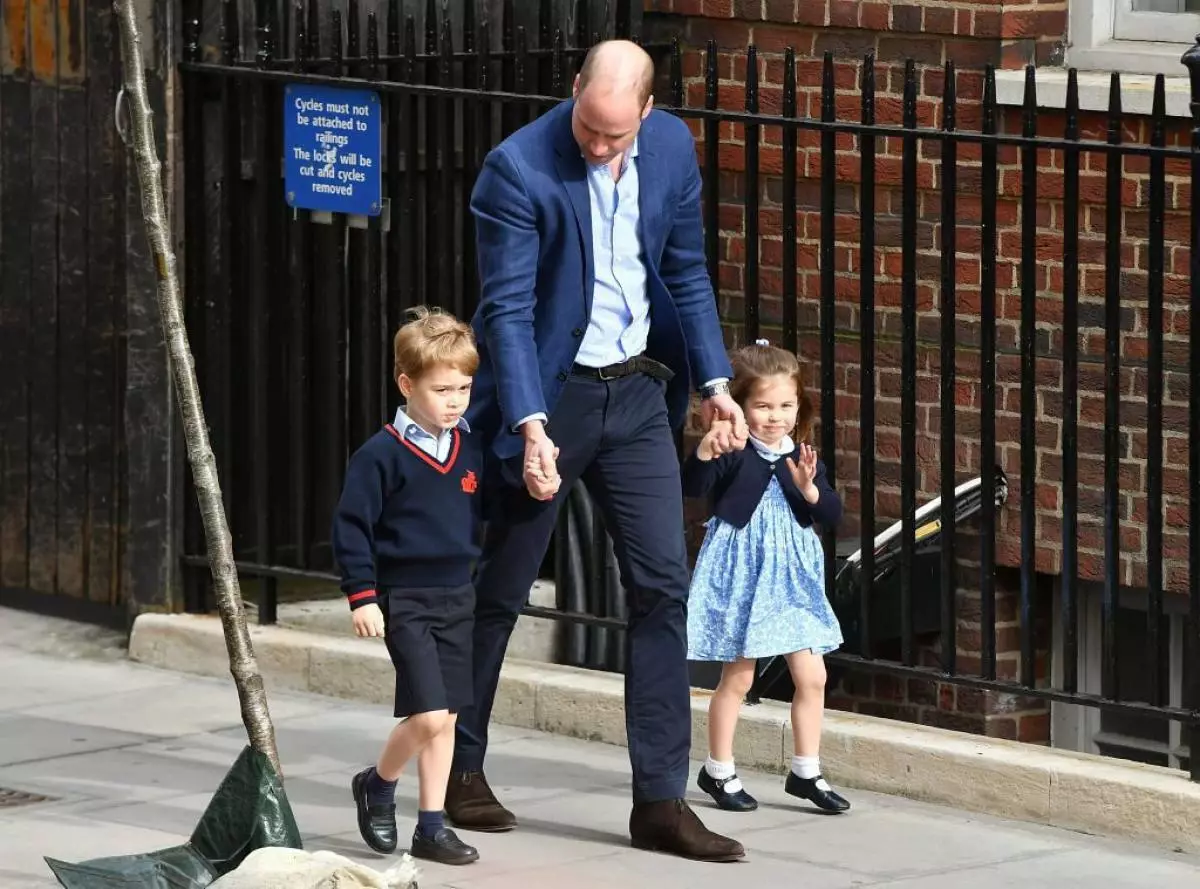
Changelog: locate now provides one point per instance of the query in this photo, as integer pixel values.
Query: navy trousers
(616, 437)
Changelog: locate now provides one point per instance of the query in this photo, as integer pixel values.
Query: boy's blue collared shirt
(437, 446)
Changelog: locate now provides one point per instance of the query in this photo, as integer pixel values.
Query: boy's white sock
(722, 771)
(806, 766)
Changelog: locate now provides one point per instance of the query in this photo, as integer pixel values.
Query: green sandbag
(179, 867)
(249, 811)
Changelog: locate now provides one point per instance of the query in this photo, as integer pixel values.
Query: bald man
(596, 318)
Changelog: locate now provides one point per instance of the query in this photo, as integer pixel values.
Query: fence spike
(353, 47)
(827, 94)
(557, 86)
(230, 32)
(468, 27)
(372, 46)
(299, 37)
(677, 97)
(789, 83)
(264, 33)
(191, 32)
(335, 39)
(545, 14)
(752, 79)
(410, 49)
(949, 98)
(314, 30)
(431, 27)
(393, 28)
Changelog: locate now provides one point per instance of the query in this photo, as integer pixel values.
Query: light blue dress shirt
(619, 325)
(436, 446)
(620, 321)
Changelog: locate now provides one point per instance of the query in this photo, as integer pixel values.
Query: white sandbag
(278, 868)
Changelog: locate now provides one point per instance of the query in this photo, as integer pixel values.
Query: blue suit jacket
(534, 241)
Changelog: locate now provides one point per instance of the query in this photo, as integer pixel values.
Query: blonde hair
(752, 364)
(434, 337)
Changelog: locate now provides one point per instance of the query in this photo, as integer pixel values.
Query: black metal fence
(290, 314)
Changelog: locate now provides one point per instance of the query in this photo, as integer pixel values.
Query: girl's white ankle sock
(806, 766)
(723, 771)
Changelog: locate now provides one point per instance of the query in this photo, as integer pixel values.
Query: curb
(1007, 779)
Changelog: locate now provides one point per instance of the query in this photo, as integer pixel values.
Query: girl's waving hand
(804, 472)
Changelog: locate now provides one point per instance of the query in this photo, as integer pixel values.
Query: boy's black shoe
(444, 847)
(740, 801)
(377, 824)
(816, 791)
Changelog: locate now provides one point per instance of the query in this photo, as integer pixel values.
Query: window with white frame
(1142, 739)
(1131, 36)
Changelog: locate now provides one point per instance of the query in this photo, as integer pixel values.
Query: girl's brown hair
(751, 364)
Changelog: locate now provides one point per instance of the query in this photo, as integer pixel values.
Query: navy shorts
(428, 631)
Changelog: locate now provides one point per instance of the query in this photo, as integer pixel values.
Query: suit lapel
(572, 172)
(651, 179)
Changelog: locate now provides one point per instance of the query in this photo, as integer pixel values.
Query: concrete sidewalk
(131, 755)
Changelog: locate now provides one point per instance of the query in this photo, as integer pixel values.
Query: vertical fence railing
(293, 333)
(1028, 346)
(908, 363)
(828, 316)
(349, 281)
(866, 323)
(1070, 398)
(987, 383)
(1192, 60)
(949, 358)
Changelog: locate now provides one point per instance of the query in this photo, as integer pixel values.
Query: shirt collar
(629, 155)
(785, 446)
(407, 425)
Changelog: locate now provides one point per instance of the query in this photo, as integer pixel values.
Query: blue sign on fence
(331, 140)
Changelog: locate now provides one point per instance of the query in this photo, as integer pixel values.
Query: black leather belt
(639, 364)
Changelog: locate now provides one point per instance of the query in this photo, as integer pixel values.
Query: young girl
(758, 589)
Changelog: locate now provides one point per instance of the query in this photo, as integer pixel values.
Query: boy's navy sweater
(406, 519)
(735, 483)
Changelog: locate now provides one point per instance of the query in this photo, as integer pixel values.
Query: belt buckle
(604, 377)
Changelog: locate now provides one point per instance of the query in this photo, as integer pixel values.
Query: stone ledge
(1004, 778)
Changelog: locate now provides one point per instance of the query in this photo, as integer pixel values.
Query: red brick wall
(972, 35)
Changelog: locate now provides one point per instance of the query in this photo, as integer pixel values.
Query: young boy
(405, 538)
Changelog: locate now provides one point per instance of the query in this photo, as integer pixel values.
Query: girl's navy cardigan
(735, 483)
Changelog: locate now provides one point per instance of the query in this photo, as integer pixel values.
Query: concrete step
(533, 639)
(1005, 778)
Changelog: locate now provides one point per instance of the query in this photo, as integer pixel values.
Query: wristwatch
(721, 388)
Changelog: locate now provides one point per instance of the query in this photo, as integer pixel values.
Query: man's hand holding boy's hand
(368, 620)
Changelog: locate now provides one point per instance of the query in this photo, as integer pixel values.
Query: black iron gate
(290, 313)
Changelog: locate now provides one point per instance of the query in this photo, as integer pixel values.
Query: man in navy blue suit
(596, 319)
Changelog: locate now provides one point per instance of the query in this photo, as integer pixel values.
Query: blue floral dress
(759, 591)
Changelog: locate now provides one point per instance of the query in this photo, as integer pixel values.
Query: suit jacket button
(577, 332)
(562, 375)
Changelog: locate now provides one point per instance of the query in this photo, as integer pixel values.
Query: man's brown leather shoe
(471, 805)
(671, 826)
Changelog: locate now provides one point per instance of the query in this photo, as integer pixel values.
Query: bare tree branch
(140, 137)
